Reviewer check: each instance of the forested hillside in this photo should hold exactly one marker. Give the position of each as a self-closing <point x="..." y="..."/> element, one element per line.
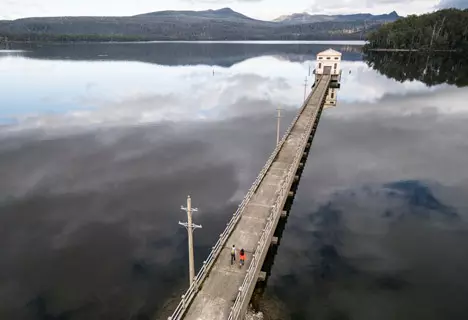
<point x="441" y="30"/>
<point x="223" y="24"/>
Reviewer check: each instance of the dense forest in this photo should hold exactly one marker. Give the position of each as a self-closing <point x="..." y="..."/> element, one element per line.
<point x="200" y="31"/>
<point x="441" y="30"/>
<point x="431" y="69"/>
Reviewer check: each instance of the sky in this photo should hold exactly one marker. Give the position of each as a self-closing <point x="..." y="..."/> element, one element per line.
<point x="260" y="9"/>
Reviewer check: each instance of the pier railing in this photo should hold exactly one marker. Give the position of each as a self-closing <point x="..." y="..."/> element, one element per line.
<point x="243" y="297"/>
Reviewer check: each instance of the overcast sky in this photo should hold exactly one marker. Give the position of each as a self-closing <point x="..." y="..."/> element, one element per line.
<point x="261" y="9"/>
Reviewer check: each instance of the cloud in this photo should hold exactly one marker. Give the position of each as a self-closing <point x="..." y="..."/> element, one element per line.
<point x="364" y="6"/>
<point x="217" y="2"/>
<point x="459" y="4"/>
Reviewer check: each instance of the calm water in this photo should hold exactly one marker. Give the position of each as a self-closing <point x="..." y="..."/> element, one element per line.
<point x="100" y="145"/>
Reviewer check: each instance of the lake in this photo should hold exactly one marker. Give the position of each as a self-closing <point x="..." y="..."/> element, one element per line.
<point x="100" y="144"/>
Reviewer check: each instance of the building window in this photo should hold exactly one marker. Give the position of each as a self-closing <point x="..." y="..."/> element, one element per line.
<point x="332" y="95"/>
<point x="336" y="58"/>
<point x="328" y="58"/>
<point x="320" y="66"/>
<point x="320" y="58"/>
<point x="335" y="65"/>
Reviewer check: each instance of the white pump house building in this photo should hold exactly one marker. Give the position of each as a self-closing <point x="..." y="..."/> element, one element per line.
<point x="329" y="63"/>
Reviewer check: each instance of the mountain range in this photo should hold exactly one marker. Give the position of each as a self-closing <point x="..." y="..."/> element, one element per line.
<point x="222" y="24"/>
<point x="306" y="17"/>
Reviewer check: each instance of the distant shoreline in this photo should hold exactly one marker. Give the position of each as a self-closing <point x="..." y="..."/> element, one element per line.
<point x="331" y="42"/>
<point x="409" y="50"/>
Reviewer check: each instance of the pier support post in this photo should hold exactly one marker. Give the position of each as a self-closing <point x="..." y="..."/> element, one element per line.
<point x="262" y="276"/>
<point x="274" y="240"/>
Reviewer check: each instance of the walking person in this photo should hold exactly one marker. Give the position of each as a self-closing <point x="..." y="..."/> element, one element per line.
<point x="233" y="254"/>
<point x="242" y="257"/>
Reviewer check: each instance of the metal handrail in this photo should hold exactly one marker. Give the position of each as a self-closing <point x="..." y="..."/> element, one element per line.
<point x="236" y="309"/>
<point x="189" y="295"/>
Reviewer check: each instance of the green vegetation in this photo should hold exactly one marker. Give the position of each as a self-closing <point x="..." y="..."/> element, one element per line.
<point x="439" y="31"/>
<point x="303" y="34"/>
<point x="431" y="69"/>
<point x="44" y="37"/>
<point x="223" y="24"/>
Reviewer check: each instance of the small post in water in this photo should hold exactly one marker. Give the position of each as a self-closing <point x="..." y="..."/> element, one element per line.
<point x="305" y="88"/>
<point x="190" y="228"/>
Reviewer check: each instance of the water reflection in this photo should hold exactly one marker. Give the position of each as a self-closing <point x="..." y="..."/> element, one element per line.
<point x="90" y="194"/>
<point x="429" y="69"/>
<point x="82" y="235"/>
<point x="331" y="98"/>
<point x="176" y="54"/>
<point x="376" y="229"/>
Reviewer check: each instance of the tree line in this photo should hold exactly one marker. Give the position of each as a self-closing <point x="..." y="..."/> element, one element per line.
<point x="438" y="31"/>
<point x="45" y="37"/>
<point x="88" y="29"/>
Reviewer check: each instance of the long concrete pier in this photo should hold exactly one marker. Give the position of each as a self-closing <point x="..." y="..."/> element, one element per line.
<point x="223" y="291"/>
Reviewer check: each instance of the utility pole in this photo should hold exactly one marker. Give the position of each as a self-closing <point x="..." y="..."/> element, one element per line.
<point x="278" y="126"/>
<point x="305" y="88"/>
<point x="190" y="228"/>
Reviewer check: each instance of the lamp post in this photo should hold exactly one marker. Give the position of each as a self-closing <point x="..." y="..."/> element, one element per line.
<point x="190" y="228"/>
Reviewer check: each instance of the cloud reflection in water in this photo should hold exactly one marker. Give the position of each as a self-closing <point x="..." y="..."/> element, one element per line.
<point x="90" y="197"/>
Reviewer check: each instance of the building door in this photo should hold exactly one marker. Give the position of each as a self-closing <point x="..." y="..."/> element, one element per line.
<point x="326" y="70"/>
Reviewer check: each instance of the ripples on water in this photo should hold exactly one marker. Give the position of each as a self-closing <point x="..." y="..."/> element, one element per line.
<point x="100" y="144"/>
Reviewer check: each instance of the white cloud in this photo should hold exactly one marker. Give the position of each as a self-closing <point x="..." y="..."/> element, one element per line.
<point x="402" y="7"/>
<point x="460" y="4"/>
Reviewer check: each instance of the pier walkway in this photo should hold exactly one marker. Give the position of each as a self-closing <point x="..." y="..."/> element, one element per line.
<point x="223" y="291"/>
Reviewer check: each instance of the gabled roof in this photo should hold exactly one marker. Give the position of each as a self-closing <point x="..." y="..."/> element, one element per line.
<point x="329" y="52"/>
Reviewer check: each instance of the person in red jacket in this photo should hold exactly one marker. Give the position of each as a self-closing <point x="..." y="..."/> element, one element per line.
<point x="242" y="257"/>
